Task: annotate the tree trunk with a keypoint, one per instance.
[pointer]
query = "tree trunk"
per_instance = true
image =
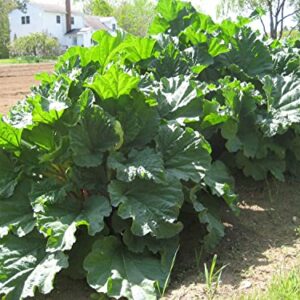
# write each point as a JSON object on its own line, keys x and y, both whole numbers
{"x": 68, "y": 16}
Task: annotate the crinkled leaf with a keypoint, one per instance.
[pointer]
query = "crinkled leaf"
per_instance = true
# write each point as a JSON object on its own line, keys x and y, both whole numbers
{"x": 9, "y": 175}
{"x": 186, "y": 153}
{"x": 283, "y": 104}
{"x": 96, "y": 133}
{"x": 153, "y": 208}
{"x": 59, "y": 221}
{"x": 108, "y": 49}
{"x": 198, "y": 58}
{"x": 139, "y": 244}
{"x": 167, "y": 10}
{"x": 138, "y": 119}
{"x": 207, "y": 215}
{"x": 250, "y": 54}
{"x": 220, "y": 182}
{"x": 177, "y": 96}
{"x": 144, "y": 164}
{"x": 117, "y": 272}
{"x": 114, "y": 83}
{"x": 138, "y": 49}
{"x": 16, "y": 213}
{"x": 10, "y": 137}
{"x": 258, "y": 169}
{"x": 25, "y": 267}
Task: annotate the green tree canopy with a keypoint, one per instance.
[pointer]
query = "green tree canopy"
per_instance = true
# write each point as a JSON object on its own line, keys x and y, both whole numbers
{"x": 5, "y": 7}
{"x": 134, "y": 16}
{"x": 98, "y": 8}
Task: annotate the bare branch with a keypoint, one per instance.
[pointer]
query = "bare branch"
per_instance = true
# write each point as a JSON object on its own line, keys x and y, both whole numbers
{"x": 263, "y": 25}
{"x": 281, "y": 27}
{"x": 292, "y": 29}
{"x": 280, "y": 7}
{"x": 289, "y": 15}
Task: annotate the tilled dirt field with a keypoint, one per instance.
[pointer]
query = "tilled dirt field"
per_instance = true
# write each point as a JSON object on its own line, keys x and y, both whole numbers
{"x": 16, "y": 80}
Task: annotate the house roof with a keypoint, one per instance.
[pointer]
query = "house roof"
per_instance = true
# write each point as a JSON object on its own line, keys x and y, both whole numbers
{"x": 55, "y": 8}
{"x": 78, "y": 31}
{"x": 95, "y": 23}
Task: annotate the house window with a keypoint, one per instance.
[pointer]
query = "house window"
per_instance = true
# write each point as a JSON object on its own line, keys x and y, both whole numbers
{"x": 58, "y": 19}
{"x": 25, "y": 20}
{"x": 72, "y": 20}
{"x": 114, "y": 27}
{"x": 75, "y": 41}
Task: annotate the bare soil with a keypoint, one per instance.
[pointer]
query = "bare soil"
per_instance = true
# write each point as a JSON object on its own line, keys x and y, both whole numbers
{"x": 259, "y": 243}
{"x": 16, "y": 80}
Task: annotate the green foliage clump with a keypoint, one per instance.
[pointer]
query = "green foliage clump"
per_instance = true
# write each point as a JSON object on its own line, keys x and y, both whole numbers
{"x": 128, "y": 141}
{"x": 35, "y": 45}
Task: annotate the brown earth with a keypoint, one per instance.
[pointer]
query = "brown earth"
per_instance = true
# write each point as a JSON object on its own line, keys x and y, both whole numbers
{"x": 261, "y": 242}
{"x": 16, "y": 80}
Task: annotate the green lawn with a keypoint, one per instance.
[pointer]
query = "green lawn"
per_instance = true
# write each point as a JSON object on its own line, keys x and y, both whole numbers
{"x": 25, "y": 60}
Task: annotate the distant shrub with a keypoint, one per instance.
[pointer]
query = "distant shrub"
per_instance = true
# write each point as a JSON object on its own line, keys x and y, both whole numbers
{"x": 35, "y": 44}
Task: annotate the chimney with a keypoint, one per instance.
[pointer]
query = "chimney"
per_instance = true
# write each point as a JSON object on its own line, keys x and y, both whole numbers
{"x": 68, "y": 15}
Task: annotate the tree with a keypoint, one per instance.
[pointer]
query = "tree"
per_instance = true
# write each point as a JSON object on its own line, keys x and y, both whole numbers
{"x": 98, "y": 8}
{"x": 278, "y": 12}
{"x": 135, "y": 16}
{"x": 5, "y": 7}
{"x": 35, "y": 44}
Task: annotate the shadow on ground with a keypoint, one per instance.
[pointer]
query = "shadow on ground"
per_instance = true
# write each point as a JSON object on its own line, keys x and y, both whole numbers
{"x": 259, "y": 243}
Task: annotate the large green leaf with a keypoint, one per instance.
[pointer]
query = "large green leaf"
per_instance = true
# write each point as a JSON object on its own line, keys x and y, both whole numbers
{"x": 59, "y": 221}
{"x": 9, "y": 175}
{"x": 250, "y": 54}
{"x": 117, "y": 272}
{"x": 108, "y": 50}
{"x": 207, "y": 214}
{"x": 10, "y": 137}
{"x": 167, "y": 11}
{"x": 240, "y": 130}
{"x": 283, "y": 104}
{"x": 16, "y": 213}
{"x": 259, "y": 169}
{"x": 220, "y": 182}
{"x": 177, "y": 96}
{"x": 25, "y": 267}
{"x": 186, "y": 153}
{"x": 96, "y": 133}
{"x": 198, "y": 58}
{"x": 138, "y": 48}
{"x": 114, "y": 83}
{"x": 144, "y": 164}
{"x": 153, "y": 208}
{"x": 138, "y": 119}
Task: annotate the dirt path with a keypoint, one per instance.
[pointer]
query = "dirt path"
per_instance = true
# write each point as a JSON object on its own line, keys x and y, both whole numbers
{"x": 16, "y": 80}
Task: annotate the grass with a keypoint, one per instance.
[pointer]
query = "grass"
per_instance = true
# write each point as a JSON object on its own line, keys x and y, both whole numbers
{"x": 25, "y": 60}
{"x": 212, "y": 278}
{"x": 284, "y": 286}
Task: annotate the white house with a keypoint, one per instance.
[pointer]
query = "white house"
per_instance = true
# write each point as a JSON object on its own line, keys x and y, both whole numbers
{"x": 60, "y": 20}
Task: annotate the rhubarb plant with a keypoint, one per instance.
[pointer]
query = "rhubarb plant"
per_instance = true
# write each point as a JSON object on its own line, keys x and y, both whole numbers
{"x": 108, "y": 159}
